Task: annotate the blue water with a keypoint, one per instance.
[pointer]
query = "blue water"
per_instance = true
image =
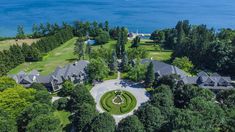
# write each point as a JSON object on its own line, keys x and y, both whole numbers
{"x": 144, "y": 15}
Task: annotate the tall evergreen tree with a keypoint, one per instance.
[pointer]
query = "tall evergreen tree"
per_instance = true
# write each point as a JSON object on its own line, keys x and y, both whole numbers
{"x": 20, "y": 32}
{"x": 149, "y": 77}
{"x": 122, "y": 40}
{"x": 35, "y": 31}
{"x": 79, "y": 49}
{"x": 16, "y": 51}
{"x": 125, "y": 63}
{"x": 106, "y": 26}
{"x": 113, "y": 64}
{"x": 88, "y": 50}
{"x": 135, "y": 42}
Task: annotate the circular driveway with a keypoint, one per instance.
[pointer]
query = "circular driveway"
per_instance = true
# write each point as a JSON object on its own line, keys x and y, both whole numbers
{"x": 100, "y": 89}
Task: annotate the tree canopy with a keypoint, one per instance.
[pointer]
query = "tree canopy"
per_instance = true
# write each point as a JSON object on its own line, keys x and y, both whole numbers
{"x": 95, "y": 74}
{"x": 102, "y": 123}
{"x": 183, "y": 63}
{"x": 14, "y": 100}
{"x": 42, "y": 123}
{"x": 130, "y": 124}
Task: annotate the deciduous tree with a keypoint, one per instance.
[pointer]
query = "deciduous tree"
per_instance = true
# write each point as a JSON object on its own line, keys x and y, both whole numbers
{"x": 102, "y": 123}
{"x": 44, "y": 123}
{"x": 130, "y": 124}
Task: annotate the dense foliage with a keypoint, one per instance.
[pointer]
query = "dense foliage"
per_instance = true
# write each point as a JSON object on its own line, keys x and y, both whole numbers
{"x": 130, "y": 124}
{"x": 206, "y": 48}
{"x": 102, "y": 123}
{"x": 187, "y": 108}
{"x": 183, "y": 63}
{"x": 19, "y": 54}
{"x": 22, "y": 108}
{"x": 97, "y": 69}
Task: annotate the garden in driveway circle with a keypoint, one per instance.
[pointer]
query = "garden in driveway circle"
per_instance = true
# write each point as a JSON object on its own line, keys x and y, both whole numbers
{"x": 118, "y": 102}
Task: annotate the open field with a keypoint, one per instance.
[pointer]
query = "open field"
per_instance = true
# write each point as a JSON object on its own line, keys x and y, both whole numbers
{"x": 5, "y": 45}
{"x": 64, "y": 55}
{"x": 110, "y": 45}
{"x": 57, "y": 57}
{"x": 163, "y": 55}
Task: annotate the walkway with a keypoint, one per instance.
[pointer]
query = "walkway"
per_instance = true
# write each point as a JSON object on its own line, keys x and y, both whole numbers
{"x": 118, "y": 84}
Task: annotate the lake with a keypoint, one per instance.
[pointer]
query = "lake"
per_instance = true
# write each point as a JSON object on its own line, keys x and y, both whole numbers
{"x": 142, "y": 15}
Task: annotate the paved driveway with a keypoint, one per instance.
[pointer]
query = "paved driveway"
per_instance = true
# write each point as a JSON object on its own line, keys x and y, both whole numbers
{"x": 136, "y": 89}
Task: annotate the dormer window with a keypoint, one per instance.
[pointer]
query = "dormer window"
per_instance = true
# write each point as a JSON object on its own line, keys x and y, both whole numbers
{"x": 225, "y": 84}
{"x": 211, "y": 83}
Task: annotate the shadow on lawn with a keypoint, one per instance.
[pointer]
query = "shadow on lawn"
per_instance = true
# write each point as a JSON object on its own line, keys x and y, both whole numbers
{"x": 71, "y": 60}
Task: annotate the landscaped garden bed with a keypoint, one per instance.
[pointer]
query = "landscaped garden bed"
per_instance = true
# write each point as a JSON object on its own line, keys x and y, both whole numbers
{"x": 118, "y": 102}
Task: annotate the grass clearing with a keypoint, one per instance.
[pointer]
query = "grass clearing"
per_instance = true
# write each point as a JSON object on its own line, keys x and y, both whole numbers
{"x": 110, "y": 45}
{"x": 149, "y": 46}
{"x": 57, "y": 57}
{"x": 5, "y": 44}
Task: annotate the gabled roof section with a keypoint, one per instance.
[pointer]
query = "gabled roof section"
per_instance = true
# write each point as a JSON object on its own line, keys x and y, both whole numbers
{"x": 164, "y": 69}
{"x": 228, "y": 79}
{"x": 202, "y": 73}
{"x": 215, "y": 75}
{"x": 21, "y": 73}
{"x": 34, "y": 72}
{"x": 190, "y": 80}
{"x": 44, "y": 79}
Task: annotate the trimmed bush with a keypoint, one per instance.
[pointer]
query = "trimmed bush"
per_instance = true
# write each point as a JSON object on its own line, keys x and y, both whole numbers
{"x": 118, "y": 109}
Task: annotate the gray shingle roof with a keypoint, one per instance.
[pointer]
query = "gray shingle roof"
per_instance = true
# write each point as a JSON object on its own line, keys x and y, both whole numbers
{"x": 69, "y": 70}
{"x": 215, "y": 81}
{"x": 164, "y": 69}
{"x": 34, "y": 72}
{"x": 202, "y": 73}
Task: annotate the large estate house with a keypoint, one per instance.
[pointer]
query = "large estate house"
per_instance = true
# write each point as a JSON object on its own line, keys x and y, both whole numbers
{"x": 204, "y": 80}
{"x": 75, "y": 72}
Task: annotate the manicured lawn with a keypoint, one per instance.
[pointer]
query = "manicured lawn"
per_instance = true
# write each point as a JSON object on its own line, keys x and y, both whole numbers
{"x": 5, "y": 45}
{"x": 127, "y": 100}
{"x": 110, "y": 45}
{"x": 64, "y": 118}
{"x": 64, "y": 55}
{"x": 161, "y": 56}
{"x": 164, "y": 55}
{"x": 57, "y": 57}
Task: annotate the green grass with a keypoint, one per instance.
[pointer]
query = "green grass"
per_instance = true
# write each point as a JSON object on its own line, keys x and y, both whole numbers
{"x": 148, "y": 45}
{"x": 5, "y": 44}
{"x": 110, "y": 45}
{"x": 164, "y": 55}
{"x": 64, "y": 118}
{"x": 114, "y": 76}
{"x": 64, "y": 55}
{"x": 160, "y": 55}
{"x": 57, "y": 57}
{"x": 116, "y": 109}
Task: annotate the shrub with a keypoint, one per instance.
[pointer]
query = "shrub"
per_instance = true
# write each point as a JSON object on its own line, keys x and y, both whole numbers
{"x": 61, "y": 104}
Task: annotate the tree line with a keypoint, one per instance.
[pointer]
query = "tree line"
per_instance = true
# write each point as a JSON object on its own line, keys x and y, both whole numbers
{"x": 172, "y": 107}
{"x": 16, "y": 55}
{"x": 206, "y": 48}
